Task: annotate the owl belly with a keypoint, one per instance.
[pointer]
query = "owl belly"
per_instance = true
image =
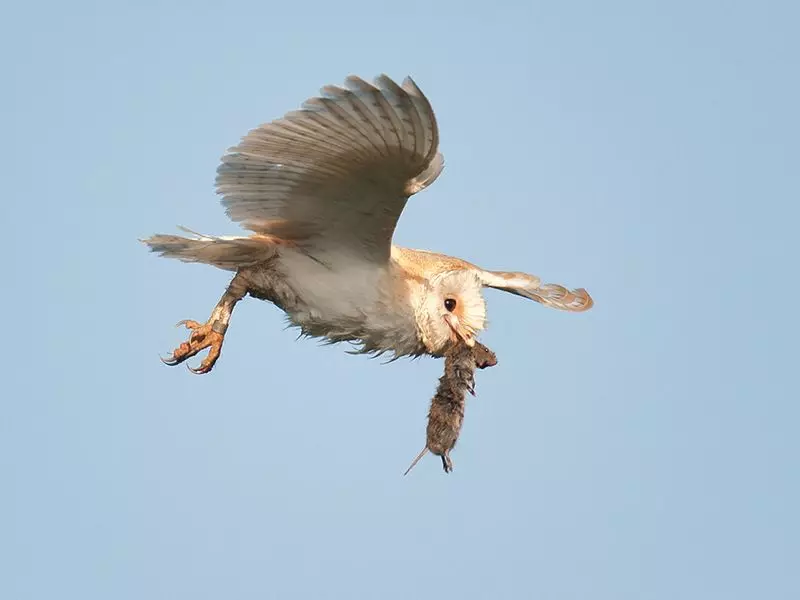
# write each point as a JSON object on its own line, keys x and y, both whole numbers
{"x": 356, "y": 304}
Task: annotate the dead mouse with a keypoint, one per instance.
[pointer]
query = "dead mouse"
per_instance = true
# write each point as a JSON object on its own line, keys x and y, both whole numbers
{"x": 447, "y": 407}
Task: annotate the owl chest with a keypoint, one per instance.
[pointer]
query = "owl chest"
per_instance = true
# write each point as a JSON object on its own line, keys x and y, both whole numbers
{"x": 358, "y": 304}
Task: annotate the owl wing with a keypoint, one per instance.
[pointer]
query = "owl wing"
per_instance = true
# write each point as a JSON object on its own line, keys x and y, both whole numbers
{"x": 529, "y": 286}
{"x": 334, "y": 176}
{"x": 426, "y": 264}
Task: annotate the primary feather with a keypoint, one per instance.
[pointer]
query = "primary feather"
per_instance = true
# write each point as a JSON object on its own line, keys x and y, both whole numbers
{"x": 335, "y": 176}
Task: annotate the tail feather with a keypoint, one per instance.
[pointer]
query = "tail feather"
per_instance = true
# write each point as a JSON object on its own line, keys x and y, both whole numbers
{"x": 225, "y": 253}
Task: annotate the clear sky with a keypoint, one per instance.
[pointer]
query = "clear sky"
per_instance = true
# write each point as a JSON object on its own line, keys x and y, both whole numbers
{"x": 646, "y": 450}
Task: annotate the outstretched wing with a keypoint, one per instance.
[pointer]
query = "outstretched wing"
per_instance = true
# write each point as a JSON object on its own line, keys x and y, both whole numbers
{"x": 422, "y": 263}
{"x": 334, "y": 176}
{"x": 530, "y": 286}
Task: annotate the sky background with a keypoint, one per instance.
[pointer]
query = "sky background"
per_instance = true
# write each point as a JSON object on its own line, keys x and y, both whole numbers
{"x": 646, "y": 450}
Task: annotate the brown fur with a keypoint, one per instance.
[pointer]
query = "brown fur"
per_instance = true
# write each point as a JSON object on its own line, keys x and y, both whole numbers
{"x": 446, "y": 414}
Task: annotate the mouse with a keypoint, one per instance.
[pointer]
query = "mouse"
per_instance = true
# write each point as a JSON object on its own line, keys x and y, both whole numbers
{"x": 446, "y": 413}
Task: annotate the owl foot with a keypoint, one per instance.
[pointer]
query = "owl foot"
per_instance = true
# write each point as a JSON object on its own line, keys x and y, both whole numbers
{"x": 202, "y": 337}
{"x": 212, "y": 334}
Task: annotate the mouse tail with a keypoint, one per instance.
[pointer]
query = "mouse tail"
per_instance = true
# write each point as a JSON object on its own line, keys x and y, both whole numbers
{"x": 416, "y": 460}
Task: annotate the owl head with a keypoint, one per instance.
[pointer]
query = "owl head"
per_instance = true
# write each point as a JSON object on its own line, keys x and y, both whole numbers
{"x": 452, "y": 310}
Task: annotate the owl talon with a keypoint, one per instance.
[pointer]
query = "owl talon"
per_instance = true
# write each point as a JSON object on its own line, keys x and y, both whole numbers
{"x": 188, "y": 323}
{"x": 210, "y": 360}
{"x": 202, "y": 337}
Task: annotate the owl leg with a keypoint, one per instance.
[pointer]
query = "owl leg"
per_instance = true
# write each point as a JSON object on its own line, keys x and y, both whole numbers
{"x": 212, "y": 333}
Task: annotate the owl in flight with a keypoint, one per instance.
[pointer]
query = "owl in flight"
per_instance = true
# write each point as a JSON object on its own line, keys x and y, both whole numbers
{"x": 321, "y": 190}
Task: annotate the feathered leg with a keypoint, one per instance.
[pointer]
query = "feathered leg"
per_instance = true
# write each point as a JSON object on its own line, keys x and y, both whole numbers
{"x": 212, "y": 333}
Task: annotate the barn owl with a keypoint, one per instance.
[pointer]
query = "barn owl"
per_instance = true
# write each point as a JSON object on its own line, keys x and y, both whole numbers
{"x": 321, "y": 189}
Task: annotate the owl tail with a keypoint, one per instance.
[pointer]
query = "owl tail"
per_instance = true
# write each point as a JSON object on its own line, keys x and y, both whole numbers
{"x": 223, "y": 252}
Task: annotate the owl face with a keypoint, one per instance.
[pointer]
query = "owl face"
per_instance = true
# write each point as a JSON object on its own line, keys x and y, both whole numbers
{"x": 453, "y": 309}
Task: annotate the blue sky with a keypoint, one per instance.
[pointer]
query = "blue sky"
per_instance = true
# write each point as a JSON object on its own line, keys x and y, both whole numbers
{"x": 645, "y": 450}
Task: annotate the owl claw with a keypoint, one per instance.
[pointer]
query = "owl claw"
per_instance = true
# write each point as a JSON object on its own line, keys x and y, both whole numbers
{"x": 188, "y": 323}
{"x": 202, "y": 337}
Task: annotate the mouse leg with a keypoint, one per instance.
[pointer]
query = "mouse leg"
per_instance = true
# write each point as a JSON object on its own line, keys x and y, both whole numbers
{"x": 447, "y": 462}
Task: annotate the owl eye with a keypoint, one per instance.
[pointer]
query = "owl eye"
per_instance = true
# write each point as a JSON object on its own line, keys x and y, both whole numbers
{"x": 450, "y": 304}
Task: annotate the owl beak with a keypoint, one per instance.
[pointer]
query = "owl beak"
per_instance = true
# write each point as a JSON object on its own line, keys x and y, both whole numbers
{"x": 454, "y": 324}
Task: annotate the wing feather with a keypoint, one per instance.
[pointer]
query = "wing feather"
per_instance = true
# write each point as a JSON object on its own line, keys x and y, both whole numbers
{"x": 382, "y": 110}
{"x": 362, "y": 117}
{"x": 404, "y": 108}
{"x": 334, "y": 176}
{"x": 531, "y": 287}
{"x": 425, "y": 111}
